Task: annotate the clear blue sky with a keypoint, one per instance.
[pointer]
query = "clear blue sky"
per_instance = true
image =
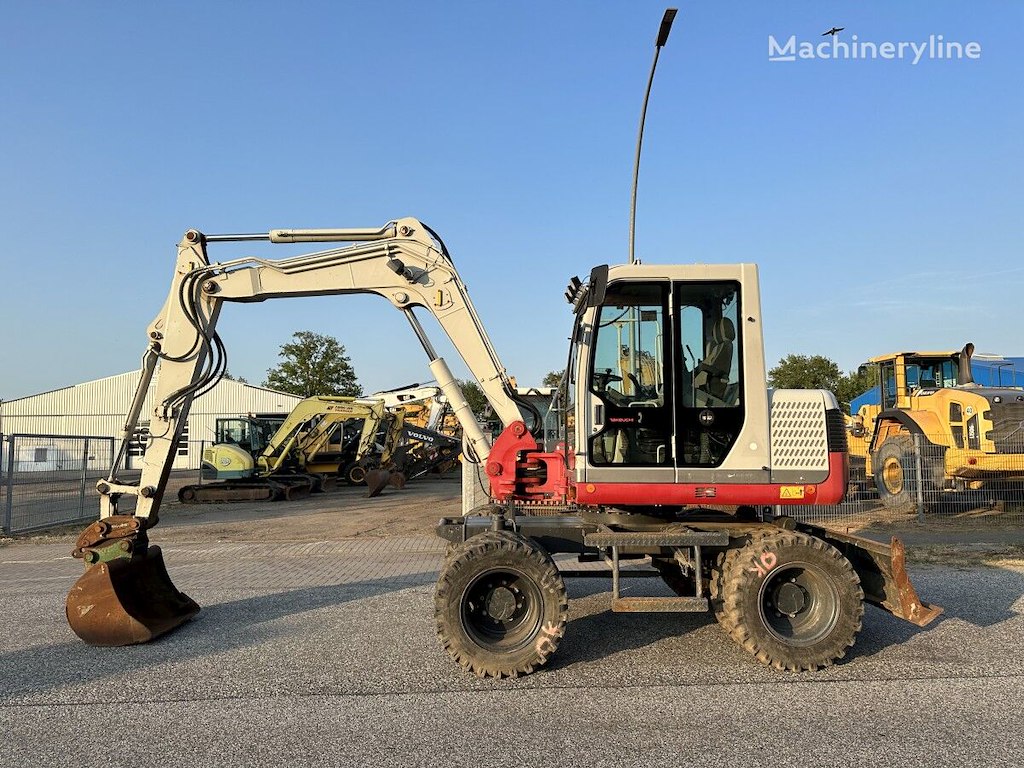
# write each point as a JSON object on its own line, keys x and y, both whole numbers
{"x": 882, "y": 200}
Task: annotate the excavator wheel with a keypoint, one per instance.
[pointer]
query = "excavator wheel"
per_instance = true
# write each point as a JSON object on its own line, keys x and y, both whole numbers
{"x": 792, "y": 600}
{"x": 500, "y": 605}
{"x": 127, "y": 601}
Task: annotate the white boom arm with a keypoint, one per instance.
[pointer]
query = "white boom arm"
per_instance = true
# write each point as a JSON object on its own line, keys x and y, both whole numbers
{"x": 403, "y": 262}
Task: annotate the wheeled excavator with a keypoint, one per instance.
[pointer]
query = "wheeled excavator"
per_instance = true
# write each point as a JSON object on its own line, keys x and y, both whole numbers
{"x": 678, "y": 468}
{"x": 683, "y": 467}
{"x": 293, "y": 462}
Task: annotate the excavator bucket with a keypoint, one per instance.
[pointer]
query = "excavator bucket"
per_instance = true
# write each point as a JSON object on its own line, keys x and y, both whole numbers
{"x": 397, "y": 480}
{"x": 883, "y": 574}
{"x": 127, "y": 601}
{"x": 376, "y": 481}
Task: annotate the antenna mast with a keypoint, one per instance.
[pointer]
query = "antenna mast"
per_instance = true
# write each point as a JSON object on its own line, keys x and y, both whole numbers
{"x": 666, "y": 26}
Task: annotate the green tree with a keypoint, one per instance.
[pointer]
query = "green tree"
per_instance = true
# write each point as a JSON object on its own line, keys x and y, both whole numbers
{"x": 553, "y": 378}
{"x": 240, "y": 379}
{"x": 313, "y": 364}
{"x": 819, "y": 372}
{"x": 853, "y": 384}
{"x": 803, "y": 372}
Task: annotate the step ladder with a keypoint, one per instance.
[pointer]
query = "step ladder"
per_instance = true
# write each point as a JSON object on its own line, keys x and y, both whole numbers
{"x": 679, "y": 542}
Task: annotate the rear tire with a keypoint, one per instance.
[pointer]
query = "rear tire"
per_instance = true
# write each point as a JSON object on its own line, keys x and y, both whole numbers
{"x": 791, "y": 600}
{"x": 500, "y": 605}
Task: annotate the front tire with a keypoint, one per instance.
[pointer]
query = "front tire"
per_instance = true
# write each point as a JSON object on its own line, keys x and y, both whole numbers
{"x": 500, "y": 605}
{"x": 791, "y": 600}
{"x": 896, "y": 477}
{"x": 354, "y": 474}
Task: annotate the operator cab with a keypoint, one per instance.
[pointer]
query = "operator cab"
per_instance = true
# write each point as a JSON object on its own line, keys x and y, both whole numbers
{"x": 906, "y": 373}
{"x": 250, "y": 433}
{"x": 659, "y": 370}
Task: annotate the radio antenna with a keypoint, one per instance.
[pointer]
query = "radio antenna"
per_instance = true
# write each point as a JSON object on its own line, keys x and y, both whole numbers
{"x": 666, "y": 27}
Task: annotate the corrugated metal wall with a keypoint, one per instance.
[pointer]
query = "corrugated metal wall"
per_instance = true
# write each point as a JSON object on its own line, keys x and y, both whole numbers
{"x": 98, "y": 408}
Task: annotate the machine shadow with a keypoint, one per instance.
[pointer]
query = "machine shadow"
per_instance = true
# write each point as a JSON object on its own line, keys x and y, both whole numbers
{"x": 219, "y": 627}
{"x": 595, "y": 635}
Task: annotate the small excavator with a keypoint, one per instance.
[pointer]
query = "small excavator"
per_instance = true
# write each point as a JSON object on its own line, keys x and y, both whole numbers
{"x": 291, "y": 463}
{"x": 425, "y": 446}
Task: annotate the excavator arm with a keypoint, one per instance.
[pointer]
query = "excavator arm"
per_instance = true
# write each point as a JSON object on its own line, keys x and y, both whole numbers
{"x": 402, "y": 262}
{"x": 292, "y": 436}
{"x": 125, "y": 596}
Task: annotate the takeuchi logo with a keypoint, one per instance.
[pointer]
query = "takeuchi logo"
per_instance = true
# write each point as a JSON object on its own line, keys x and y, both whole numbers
{"x": 936, "y": 47}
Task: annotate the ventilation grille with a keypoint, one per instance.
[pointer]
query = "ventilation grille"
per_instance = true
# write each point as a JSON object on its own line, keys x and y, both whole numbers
{"x": 799, "y": 432}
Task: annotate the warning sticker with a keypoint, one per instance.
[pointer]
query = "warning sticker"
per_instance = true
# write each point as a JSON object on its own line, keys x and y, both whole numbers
{"x": 791, "y": 492}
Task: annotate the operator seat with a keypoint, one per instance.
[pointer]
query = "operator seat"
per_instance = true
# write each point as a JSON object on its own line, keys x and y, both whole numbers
{"x": 712, "y": 374}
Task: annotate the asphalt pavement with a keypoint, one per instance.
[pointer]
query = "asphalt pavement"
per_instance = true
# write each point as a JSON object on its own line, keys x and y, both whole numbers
{"x": 324, "y": 653}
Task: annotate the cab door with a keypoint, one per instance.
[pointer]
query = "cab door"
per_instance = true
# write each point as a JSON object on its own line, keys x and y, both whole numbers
{"x": 629, "y": 387}
{"x": 710, "y": 407}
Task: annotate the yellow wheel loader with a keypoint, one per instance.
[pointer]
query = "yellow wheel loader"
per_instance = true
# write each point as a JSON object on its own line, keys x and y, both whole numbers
{"x": 935, "y": 433}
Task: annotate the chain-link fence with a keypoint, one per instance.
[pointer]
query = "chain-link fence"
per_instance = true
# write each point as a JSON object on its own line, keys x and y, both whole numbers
{"x": 917, "y": 477}
{"x": 48, "y": 480}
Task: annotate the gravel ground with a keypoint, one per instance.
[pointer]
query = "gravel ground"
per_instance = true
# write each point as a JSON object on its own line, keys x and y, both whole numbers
{"x": 316, "y": 646}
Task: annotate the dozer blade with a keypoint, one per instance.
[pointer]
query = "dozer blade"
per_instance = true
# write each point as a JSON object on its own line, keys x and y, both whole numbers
{"x": 883, "y": 574}
{"x": 376, "y": 481}
{"x": 127, "y": 601}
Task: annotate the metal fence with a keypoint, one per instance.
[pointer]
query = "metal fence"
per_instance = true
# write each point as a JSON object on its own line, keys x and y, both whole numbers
{"x": 49, "y": 480}
{"x": 915, "y": 478}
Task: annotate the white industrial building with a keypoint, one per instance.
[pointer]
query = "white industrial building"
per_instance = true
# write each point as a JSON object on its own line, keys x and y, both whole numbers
{"x": 98, "y": 409}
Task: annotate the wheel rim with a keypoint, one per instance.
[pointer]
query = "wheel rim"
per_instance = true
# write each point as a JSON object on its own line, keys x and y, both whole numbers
{"x": 356, "y": 475}
{"x": 799, "y": 604}
{"x": 892, "y": 476}
{"x": 501, "y": 609}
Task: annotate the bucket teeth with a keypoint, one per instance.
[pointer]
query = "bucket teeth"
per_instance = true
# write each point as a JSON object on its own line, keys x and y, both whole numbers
{"x": 127, "y": 601}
